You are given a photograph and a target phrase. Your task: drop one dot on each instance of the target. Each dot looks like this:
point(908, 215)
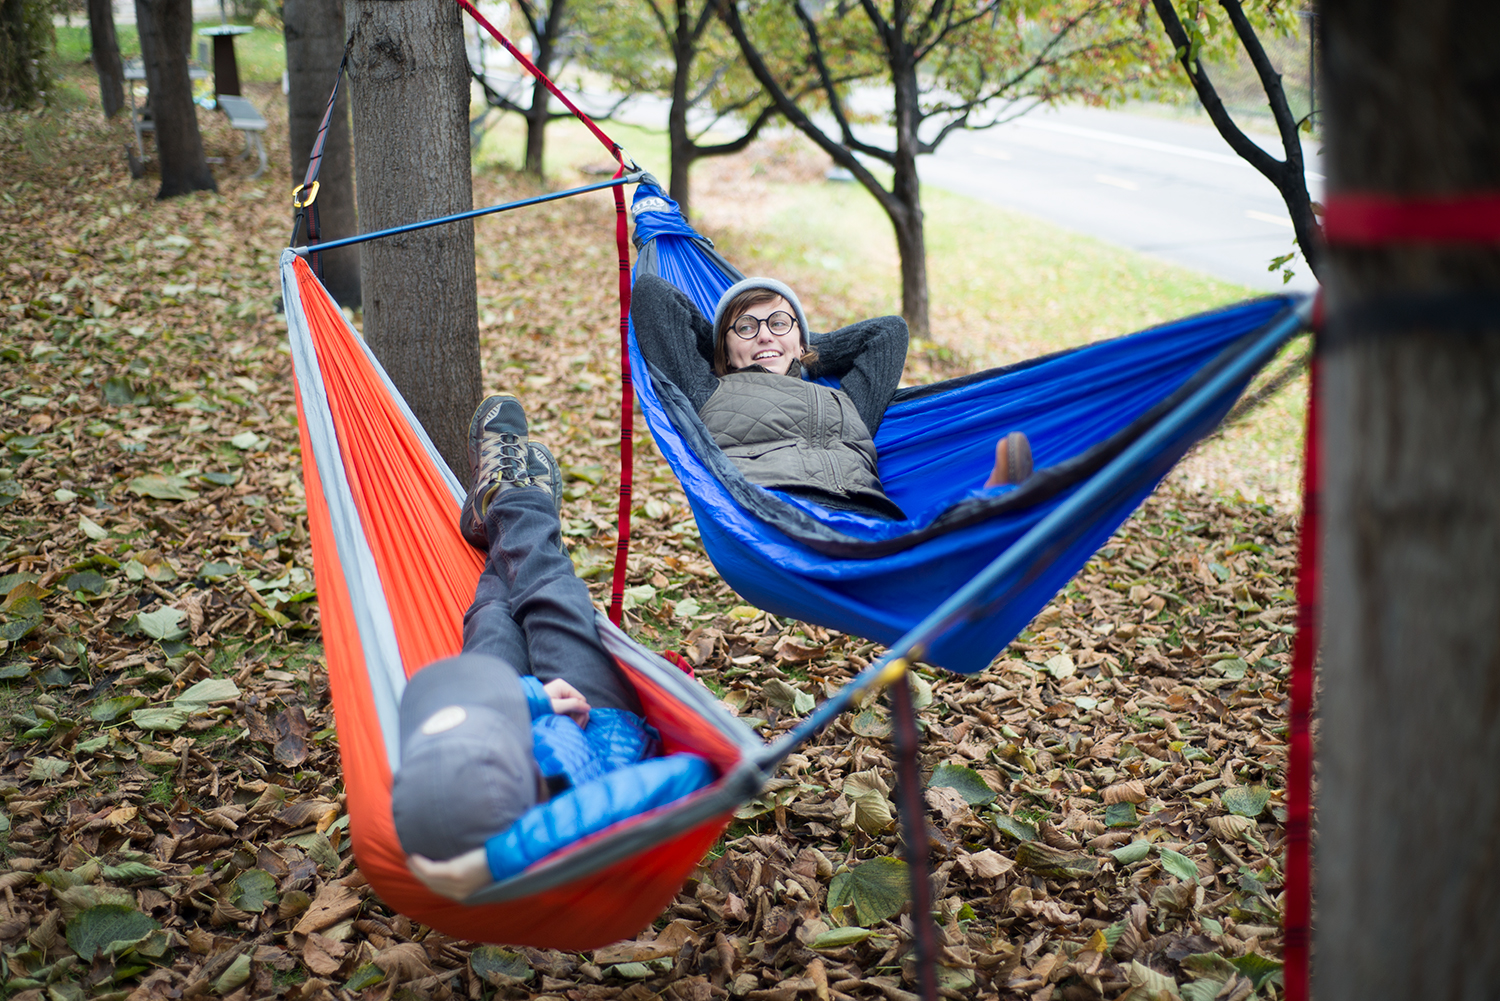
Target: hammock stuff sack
point(394, 579)
point(1082, 409)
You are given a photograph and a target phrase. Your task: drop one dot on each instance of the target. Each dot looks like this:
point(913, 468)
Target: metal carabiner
point(312, 195)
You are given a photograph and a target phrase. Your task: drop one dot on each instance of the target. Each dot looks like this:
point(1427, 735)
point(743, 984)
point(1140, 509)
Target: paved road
point(1168, 188)
point(1161, 186)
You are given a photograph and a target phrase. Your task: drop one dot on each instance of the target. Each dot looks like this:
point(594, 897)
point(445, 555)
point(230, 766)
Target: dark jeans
point(531, 610)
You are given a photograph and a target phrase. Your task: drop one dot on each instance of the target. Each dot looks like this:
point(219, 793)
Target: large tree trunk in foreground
point(106, 56)
point(166, 30)
point(1408, 888)
point(315, 36)
point(409, 85)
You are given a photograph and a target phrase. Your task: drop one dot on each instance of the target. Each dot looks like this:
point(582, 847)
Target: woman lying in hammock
point(788, 433)
point(533, 711)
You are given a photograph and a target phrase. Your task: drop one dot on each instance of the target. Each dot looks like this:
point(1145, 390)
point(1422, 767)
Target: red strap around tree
point(1296, 898)
point(622, 244)
point(1378, 219)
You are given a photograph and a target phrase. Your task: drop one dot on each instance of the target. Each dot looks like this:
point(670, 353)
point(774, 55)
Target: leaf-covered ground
point(1105, 800)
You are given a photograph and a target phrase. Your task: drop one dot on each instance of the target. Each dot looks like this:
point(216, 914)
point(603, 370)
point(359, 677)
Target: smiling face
point(773, 352)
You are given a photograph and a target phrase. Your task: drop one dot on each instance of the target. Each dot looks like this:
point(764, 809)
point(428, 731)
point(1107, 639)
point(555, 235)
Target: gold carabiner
point(312, 195)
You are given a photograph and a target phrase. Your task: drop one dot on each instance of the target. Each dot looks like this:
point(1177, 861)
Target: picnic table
point(242, 115)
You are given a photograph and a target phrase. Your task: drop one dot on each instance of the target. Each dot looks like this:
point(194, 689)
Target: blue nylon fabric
point(613, 738)
point(620, 795)
point(936, 450)
point(538, 702)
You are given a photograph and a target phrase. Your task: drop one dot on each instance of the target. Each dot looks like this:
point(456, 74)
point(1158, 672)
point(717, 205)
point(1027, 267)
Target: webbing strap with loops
point(1297, 899)
point(622, 244)
point(305, 195)
point(912, 805)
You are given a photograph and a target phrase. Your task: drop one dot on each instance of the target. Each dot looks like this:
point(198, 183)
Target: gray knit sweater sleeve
point(867, 358)
point(674, 337)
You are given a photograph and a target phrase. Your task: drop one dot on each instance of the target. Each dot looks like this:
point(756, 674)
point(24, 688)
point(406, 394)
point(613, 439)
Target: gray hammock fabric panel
point(372, 618)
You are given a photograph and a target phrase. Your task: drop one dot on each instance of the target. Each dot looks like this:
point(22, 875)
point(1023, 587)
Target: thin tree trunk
point(179, 144)
point(105, 50)
point(410, 99)
point(906, 190)
point(680, 151)
point(315, 39)
point(1408, 886)
point(541, 99)
point(536, 117)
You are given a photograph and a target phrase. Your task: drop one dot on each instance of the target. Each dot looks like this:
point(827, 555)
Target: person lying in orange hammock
point(530, 738)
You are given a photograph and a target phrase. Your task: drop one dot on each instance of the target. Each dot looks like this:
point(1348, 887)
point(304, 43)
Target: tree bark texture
point(1408, 861)
point(166, 31)
point(315, 37)
point(23, 29)
point(409, 90)
point(106, 56)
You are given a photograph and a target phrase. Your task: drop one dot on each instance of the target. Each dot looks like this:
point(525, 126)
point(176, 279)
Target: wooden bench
point(243, 115)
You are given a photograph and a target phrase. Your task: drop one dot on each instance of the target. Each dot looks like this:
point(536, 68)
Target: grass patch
point(260, 54)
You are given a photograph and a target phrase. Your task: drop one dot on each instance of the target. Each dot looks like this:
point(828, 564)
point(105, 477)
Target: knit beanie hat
point(721, 322)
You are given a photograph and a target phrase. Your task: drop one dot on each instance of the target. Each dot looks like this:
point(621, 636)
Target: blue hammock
point(1106, 422)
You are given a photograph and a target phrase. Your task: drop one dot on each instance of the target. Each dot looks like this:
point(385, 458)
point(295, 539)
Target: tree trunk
point(409, 88)
point(315, 37)
point(23, 27)
point(536, 119)
point(680, 145)
point(1408, 887)
point(541, 99)
point(106, 56)
point(179, 144)
point(906, 190)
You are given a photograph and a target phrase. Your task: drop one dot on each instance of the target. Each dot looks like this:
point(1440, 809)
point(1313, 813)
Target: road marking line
point(1268, 217)
point(1117, 182)
point(992, 152)
point(1151, 144)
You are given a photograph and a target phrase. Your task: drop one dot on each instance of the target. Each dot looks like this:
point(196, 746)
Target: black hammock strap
point(305, 195)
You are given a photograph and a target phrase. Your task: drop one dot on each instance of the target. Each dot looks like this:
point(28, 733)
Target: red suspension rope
point(1375, 219)
point(1297, 897)
point(622, 246)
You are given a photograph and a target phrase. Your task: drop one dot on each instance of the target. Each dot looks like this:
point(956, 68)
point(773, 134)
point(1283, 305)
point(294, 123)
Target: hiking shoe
point(1012, 460)
point(542, 468)
point(498, 456)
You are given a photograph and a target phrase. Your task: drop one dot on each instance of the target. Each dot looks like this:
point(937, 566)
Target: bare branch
point(793, 114)
point(830, 88)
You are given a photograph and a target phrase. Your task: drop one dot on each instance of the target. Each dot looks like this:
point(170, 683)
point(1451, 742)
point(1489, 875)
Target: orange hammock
point(394, 579)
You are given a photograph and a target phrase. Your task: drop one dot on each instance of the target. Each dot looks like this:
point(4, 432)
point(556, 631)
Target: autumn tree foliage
point(943, 66)
point(1193, 28)
point(704, 77)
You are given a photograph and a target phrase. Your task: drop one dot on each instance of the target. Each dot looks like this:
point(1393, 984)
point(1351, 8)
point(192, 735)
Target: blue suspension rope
point(615, 182)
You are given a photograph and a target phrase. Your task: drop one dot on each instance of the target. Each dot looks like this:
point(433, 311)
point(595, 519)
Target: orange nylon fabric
point(428, 572)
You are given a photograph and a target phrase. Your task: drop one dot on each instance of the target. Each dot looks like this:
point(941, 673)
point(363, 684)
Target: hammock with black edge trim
point(1083, 410)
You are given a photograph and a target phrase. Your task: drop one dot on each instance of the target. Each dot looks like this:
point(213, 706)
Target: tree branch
point(835, 105)
point(1288, 175)
point(793, 114)
point(719, 149)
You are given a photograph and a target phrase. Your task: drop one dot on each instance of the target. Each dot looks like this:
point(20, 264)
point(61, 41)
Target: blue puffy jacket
point(599, 776)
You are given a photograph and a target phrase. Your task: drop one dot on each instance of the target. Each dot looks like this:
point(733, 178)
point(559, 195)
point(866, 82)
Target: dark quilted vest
point(786, 434)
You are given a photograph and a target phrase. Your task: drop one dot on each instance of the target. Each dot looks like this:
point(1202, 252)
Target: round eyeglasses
point(778, 323)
